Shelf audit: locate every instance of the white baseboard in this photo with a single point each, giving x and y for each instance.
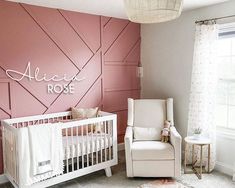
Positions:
(121, 147)
(3, 179)
(224, 168)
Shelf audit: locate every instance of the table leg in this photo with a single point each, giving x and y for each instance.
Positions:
(185, 157)
(192, 154)
(209, 157)
(201, 163)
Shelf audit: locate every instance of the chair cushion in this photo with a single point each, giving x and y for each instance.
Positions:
(149, 113)
(141, 133)
(152, 150)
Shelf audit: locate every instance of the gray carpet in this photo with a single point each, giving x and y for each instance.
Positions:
(119, 180)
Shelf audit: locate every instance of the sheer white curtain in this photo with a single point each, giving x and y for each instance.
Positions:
(203, 87)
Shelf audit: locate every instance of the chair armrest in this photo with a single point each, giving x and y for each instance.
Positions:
(129, 135)
(176, 141)
(175, 137)
(128, 142)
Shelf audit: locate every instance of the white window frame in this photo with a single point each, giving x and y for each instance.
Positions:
(226, 131)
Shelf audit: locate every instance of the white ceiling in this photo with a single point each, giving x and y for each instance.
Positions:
(112, 8)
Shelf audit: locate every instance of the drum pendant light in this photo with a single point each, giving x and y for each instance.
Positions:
(153, 11)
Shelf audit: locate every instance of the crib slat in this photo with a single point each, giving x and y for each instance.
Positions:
(101, 153)
(15, 160)
(96, 143)
(112, 139)
(92, 146)
(78, 147)
(67, 149)
(10, 153)
(105, 142)
(72, 149)
(10, 165)
(82, 146)
(5, 149)
(109, 134)
(12, 156)
(87, 146)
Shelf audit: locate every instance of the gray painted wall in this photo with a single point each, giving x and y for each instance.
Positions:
(166, 56)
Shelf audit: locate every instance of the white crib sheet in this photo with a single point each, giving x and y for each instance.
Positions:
(73, 146)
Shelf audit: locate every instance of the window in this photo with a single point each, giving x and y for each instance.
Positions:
(225, 110)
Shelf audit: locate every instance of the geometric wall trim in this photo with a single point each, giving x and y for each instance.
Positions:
(103, 51)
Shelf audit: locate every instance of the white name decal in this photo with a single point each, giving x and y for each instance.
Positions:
(57, 88)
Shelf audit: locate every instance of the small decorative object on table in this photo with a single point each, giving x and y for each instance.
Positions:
(165, 133)
(197, 132)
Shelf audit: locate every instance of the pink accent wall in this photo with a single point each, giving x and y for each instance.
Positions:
(106, 51)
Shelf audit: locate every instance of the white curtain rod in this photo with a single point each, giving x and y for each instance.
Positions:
(214, 19)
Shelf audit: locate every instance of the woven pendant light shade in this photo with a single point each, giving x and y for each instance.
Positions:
(153, 11)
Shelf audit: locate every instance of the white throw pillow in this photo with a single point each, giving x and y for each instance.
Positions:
(144, 133)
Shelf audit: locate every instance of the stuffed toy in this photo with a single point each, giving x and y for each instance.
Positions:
(165, 133)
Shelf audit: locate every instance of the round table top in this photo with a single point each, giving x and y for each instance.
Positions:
(198, 141)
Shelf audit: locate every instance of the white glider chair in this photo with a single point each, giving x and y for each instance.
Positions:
(146, 155)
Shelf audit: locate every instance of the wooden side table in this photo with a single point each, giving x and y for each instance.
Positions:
(202, 141)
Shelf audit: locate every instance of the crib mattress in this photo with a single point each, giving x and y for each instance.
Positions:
(75, 146)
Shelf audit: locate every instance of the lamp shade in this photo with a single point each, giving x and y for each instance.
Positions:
(153, 11)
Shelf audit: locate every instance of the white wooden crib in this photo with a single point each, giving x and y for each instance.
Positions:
(85, 150)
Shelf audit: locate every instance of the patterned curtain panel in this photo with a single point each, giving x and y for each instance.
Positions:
(203, 88)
